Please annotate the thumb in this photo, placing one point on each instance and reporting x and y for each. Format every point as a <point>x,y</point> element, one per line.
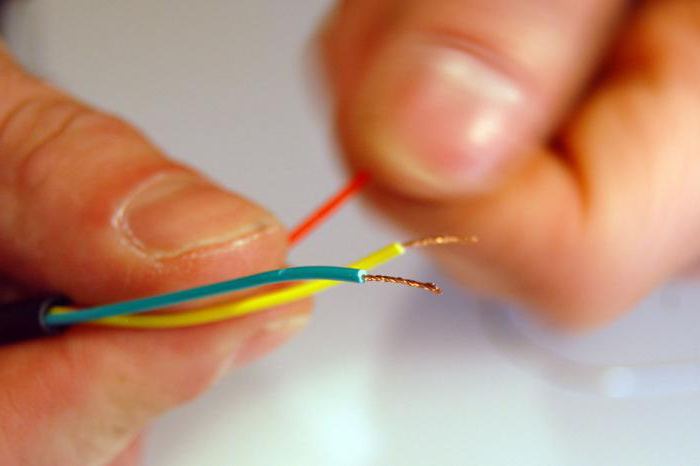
<point>444,98</point>
<point>93,210</point>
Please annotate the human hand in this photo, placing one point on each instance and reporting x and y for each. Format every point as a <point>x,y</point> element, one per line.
<point>500,118</point>
<point>92,210</point>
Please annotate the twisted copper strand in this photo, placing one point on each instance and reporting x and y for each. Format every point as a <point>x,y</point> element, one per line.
<point>432,287</point>
<point>441,240</point>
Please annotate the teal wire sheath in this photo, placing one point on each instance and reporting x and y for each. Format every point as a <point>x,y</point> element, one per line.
<point>340,274</point>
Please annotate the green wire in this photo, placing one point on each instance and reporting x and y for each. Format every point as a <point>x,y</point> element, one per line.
<point>340,274</point>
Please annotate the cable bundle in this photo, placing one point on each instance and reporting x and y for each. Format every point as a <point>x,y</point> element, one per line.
<point>44,317</point>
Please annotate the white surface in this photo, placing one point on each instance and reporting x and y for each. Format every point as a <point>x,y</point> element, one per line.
<point>382,377</point>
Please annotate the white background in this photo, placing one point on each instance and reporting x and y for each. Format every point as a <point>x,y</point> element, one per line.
<point>383,376</point>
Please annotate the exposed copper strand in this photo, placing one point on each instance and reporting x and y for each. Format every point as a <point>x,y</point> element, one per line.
<point>432,287</point>
<point>440,240</point>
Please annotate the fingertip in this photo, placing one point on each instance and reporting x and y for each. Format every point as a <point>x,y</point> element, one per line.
<point>172,215</point>
<point>450,97</point>
<point>437,120</point>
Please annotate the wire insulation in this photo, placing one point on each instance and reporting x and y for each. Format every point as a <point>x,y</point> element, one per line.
<point>336,274</point>
<point>249,305</point>
<point>329,207</point>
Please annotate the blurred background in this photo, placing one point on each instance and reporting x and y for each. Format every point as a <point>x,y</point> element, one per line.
<point>383,375</point>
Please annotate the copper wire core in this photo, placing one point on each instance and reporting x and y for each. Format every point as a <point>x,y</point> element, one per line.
<point>441,240</point>
<point>432,287</point>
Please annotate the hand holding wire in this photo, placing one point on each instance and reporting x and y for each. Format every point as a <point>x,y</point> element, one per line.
<point>48,319</point>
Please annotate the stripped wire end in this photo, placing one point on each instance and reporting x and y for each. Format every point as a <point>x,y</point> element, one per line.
<point>441,241</point>
<point>432,287</point>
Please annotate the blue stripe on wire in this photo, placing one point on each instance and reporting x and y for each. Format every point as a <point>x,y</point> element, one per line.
<point>341,274</point>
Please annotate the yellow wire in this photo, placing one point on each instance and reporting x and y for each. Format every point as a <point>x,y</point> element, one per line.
<point>245,306</point>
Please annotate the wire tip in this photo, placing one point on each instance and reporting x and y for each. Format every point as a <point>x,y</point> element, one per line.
<point>427,286</point>
<point>441,240</point>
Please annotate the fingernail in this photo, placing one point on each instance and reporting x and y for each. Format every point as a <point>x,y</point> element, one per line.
<point>272,335</point>
<point>442,117</point>
<point>173,215</point>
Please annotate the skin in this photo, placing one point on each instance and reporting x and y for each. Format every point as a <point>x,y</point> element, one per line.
<point>93,210</point>
<point>562,133</point>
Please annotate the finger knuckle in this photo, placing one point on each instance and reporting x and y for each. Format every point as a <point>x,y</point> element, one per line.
<point>42,135</point>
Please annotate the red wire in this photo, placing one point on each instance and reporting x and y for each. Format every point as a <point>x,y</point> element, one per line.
<point>329,207</point>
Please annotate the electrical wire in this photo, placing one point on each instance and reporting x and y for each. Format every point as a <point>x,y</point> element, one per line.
<point>46,316</point>
<point>111,314</point>
<point>257,303</point>
<point>329,207</point>
<point>217,313</point>
<point>122,314</point>
<point>336,274</point>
